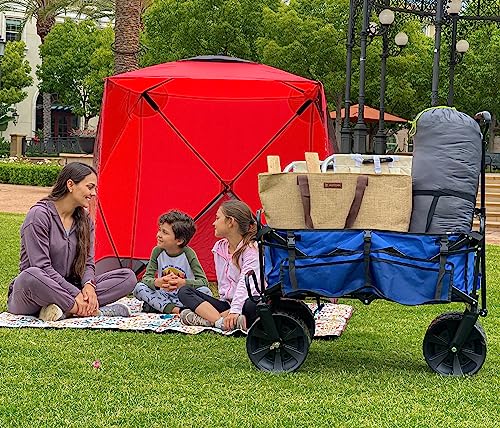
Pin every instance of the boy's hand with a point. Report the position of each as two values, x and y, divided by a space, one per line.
176 283
160 282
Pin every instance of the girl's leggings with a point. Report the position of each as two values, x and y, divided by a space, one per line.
34 289
191 298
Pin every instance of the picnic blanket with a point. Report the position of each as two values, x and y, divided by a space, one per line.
331 321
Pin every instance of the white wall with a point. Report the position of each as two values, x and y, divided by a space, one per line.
26 108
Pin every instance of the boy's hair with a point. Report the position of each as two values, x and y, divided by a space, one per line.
182 225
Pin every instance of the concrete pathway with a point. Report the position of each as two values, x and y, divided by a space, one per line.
19 199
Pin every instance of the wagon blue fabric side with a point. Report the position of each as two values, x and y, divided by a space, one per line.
411 269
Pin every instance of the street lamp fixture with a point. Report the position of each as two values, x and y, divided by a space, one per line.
15 117
462 46
401 39
386 17
454 7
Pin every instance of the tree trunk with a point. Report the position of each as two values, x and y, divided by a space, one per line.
47 118
127 30
43 27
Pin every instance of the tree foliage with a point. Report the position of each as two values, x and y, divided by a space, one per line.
175 29
14 77
76 57
15 74
477 85
307 37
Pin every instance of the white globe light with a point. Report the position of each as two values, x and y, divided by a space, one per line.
462 46
401 39
454 6
386 17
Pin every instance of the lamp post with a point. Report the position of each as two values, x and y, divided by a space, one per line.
360 130
386 18
345 132
456 49
437 52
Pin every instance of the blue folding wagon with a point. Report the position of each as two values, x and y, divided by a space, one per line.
405 268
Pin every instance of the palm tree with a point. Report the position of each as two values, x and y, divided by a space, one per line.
45 12
127 30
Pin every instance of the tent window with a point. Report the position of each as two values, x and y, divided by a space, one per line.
12 29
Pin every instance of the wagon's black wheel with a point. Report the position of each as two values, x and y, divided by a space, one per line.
441 358
299 310
285 355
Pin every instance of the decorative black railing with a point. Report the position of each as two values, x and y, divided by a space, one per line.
52 147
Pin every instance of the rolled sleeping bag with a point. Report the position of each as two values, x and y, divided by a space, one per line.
445 171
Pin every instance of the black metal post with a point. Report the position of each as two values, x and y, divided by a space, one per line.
360 130
437 51
380 144
345 132
453 57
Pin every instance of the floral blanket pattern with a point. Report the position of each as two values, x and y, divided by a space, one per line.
331 321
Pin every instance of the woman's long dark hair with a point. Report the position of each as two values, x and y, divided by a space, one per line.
75 171
246 223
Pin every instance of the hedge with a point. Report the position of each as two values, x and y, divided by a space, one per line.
28 173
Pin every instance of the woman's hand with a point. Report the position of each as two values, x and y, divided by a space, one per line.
230 321
82 306
90 296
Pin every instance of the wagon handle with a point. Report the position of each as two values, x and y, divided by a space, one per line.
251 275
483 118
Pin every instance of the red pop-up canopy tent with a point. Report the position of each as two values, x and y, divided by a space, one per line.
188 135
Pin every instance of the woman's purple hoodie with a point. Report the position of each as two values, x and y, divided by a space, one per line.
45 244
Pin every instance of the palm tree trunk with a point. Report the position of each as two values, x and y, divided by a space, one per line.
43 27
47 118
127 30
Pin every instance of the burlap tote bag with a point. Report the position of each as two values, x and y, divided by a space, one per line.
336 201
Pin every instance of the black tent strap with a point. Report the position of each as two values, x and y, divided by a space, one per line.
108 233
446 192
155 107
436 195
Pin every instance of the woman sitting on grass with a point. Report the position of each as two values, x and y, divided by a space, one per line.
234 255
57 271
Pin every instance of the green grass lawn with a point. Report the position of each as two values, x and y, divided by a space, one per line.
373 376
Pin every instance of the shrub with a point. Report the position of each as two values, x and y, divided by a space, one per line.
4 147
18 171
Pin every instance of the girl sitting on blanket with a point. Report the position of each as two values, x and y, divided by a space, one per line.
57 272
234 255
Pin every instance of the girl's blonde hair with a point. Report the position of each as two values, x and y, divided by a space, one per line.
247 224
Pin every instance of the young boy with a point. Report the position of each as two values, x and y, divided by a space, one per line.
171 266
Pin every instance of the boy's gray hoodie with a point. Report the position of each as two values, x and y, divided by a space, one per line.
46 245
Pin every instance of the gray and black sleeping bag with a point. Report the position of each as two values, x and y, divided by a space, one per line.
445 172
